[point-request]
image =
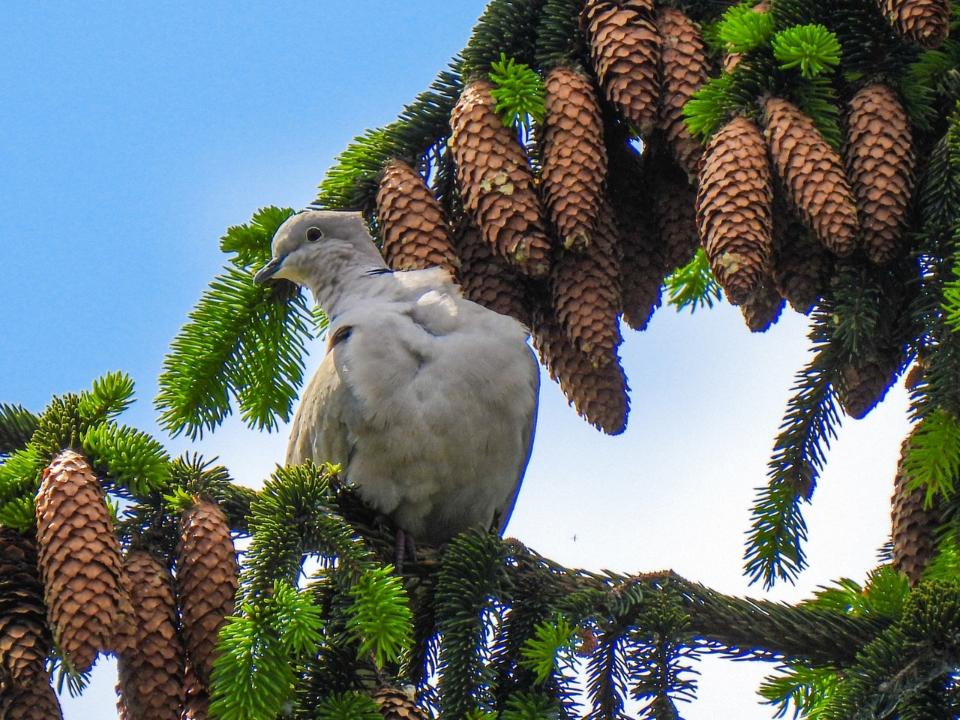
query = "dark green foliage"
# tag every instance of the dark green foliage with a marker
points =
(693, 286)
(347, 706)
(254, 673)
(502, 29)
(559, 39)
(17, 425)
(518, 92)
(109, 396)
(467, 582)
(128, 457)
(243, 343)
(380, 620)
(811, 49)
(741, 29)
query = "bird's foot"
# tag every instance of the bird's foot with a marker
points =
(405, 549)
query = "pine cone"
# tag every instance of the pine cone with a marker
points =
(151, 671)
(487, 279)
(675, 208)
(414, 232)
(813, 175)
(35, 701)
(574, 157)
(733, 208)
(586, 294)
(880, 165)
(24, 636)
(924, 22)
(861, 387)
(79, 560)
(683, 68)
(197, 701)
(599, 394)
(496, 181)
(206, 581)
(396, 704)
(762, 309)
(801, 266)
(642, 270)
(625, 49)
(913, 525)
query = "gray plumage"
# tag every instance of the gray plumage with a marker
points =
(426, 399)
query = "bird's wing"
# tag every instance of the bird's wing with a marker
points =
(321, 427)
(530, 431)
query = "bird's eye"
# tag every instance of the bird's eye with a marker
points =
(314, 234)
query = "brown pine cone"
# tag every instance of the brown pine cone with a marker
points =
(734, 208)
(496, 181)
(813, 176)
(683, 69)
(35, 701)
(207, 581)
(880, 164)
(151, 671)
(801, 266)
(574, 156)
(24, 635)
(585, 290)
(599, 394)
(414, 232)
(197, 701)
(642, 270)
(79, 560)
(625, 50)
(487, 279)
(924, 22)
(675, 208)
(861, 387)
(395, 704)
(763, 308)
(913, 526)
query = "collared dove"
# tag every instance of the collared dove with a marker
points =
(426, 399)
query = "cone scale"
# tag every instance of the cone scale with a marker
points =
(24, 636)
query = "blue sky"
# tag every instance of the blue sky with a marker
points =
(132, 134)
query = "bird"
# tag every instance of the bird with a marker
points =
(427, 400)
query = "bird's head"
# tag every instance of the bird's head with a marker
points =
(311, 243)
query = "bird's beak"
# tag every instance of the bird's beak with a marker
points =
(269, 270)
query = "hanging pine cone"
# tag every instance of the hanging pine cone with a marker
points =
(197, 702)
(34, 701)
(24, 635)
(763, 308)
(642, 270)
(496, 181)
(625, 49)
(862, 386)
(675, 208)
(488, 280)
(683, 69)
(913, 525)
(396, 704)
(801, 267)
(813, 176)
(151, 671)
(574, 157)
(880, 163)
(924, 22)
(206, 582)
(599, 394)
(79, 560)
(414, 232)
(733, 208)
(585, 290)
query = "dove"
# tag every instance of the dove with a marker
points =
(427, 400)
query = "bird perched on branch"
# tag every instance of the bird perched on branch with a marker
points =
(426, 399)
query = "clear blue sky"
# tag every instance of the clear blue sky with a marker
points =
(132, 134)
